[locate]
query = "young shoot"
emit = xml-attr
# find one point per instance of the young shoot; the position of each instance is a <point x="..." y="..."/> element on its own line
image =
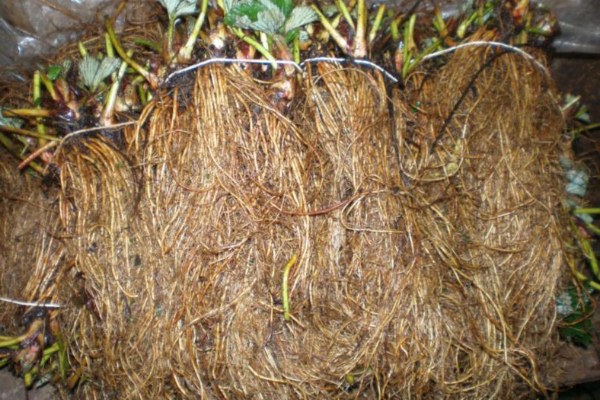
<point x="176" y="9"/>
<point x="275" y="18"/>
<point x="185" y="53"/>
<point x="93" y="72"/>
<point x="358" y="49"/>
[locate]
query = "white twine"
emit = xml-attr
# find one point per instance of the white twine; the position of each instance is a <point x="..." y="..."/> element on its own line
<point x="300" y="67"/>
<point x="30" y="304"/>
<point x="483" y="43"/>
<point x="337" y="60"/>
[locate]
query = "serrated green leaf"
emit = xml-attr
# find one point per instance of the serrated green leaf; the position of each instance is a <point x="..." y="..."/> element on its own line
<point x="178" y="8"/>
<point x="285" y="6"/>
<point x="299" y="17"/>
<point x="92" y="72"/>
<point x="269" y="21"/>
<point x="247" y="9"/>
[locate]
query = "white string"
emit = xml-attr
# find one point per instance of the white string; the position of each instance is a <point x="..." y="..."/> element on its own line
<point x="230" y="61"/>
<point x="367" y="63"/>
<point x="30" y="304"/>
<point x="483" y="43"/>
<point x="300" y="67"/>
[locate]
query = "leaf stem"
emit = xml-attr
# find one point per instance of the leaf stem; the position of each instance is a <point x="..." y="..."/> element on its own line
<point x="110" y="51"/>
<point x="107" y="113"/>
<point x="296" y="50"/>
<point x="37" y="101"/>
<point x="376" y="23"/>
<point x="27" y="112"/>
<point x="252" y="42"/>
<point x="48" y="85"/>
<point x="25" y="132"/>
<point x="360" y="36"/>
<point x="185" y="53"/>
<point x="170" y="28"/>
<point x="586" y="211"/>
<point x="148" y="43"/>
<point x="335" y="35"/>
<point x="345" y="12"/>
<point x="409" y="45"/>
<point x="149" y="76"/>
<point x="585" y="128"/>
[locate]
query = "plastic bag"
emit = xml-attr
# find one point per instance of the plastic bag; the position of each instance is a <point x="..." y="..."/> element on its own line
<point x="579" y="22"/>
<point x="29" y="28"/>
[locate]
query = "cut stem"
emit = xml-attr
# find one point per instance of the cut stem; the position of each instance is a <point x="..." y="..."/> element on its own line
<point x="7" y="342"/>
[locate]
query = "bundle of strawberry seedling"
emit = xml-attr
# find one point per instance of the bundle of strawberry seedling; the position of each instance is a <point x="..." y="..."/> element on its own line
<point x="296" y="201"/>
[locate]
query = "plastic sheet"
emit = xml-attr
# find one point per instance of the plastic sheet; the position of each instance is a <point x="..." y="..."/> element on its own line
<point x="579" y="22"/>
<point x="29" y="28"/>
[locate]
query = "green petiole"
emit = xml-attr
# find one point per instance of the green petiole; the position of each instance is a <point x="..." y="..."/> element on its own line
<point x="185" y="53"/>
<point x="149" y="76"/>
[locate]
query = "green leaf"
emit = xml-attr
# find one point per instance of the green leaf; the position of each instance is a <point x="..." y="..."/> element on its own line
<point x="578" y="334"/>
<point x="291" y="35"/>
<point x="268" y="16"/>
<point x="299" y="17"/>
<point x="242" y="14"/>
<point x="92" y="72"/>
<point x="178" y="8"/>
<point x="285" y="6"/>
<point x="572" y="309"/>
<point x="577" y="182"/>
<point x="583" y="115"/>
<point x="269" y="21"/>
<point x="54" y="72"/>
